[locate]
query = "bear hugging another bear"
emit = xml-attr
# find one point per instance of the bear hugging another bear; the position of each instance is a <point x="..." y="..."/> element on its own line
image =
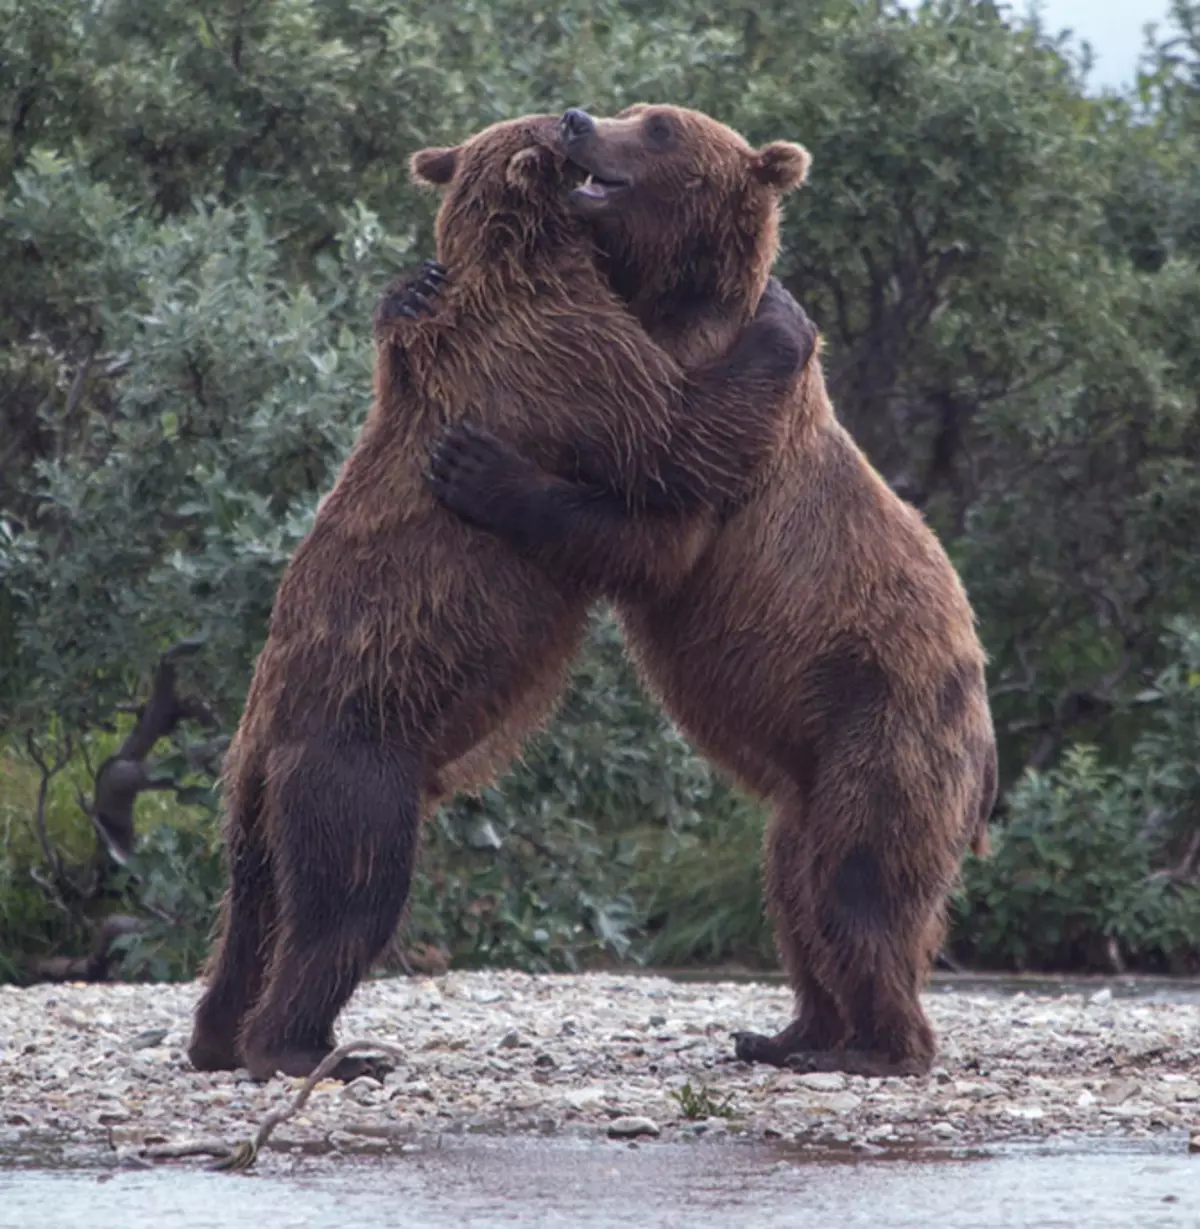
<point x="411" y="654"/>
<point x="660" y="435"/>
<point x="821" y="649"/>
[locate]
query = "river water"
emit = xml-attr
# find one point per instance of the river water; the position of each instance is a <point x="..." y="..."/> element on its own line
<point x="484" y="1184"/>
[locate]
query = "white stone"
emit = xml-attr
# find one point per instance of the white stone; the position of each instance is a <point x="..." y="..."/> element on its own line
<point x="839" y="1103"/>
<point x="630" y="1126"/>
<point x="822" y="1081"/>
<point x="580" y="1098"/>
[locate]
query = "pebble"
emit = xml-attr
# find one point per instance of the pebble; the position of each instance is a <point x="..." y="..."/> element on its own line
<point x="588" y="1055"/>
<point x="150" y="1038"/>
<point x="629" y="1126"/>
<point x="364" y="1090"/>
<point x="822" y="1081"/>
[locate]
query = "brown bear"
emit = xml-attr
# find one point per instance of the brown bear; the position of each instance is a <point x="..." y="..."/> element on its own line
<point x="409" y="655"/>
<point x="822" y="649"/>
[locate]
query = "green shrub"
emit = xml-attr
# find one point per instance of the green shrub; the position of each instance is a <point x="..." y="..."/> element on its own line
<point x="169" y="883"/>
<point x="538" y="872"/>
<point x="702" y="890"/>
<point x="1072" y="883"/>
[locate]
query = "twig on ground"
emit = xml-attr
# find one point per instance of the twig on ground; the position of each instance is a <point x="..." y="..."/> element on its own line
<point x="242" y="1155"/>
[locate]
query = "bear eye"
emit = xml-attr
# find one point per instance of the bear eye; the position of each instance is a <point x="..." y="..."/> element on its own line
<point x="659" y="129"/>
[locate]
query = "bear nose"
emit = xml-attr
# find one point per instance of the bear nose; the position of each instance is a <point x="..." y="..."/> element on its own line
<point x="576" y="124"/>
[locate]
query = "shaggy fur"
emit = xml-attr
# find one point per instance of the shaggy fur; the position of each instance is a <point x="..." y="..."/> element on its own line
<point x="410" y="655"/>
<point x="822" y="648"/>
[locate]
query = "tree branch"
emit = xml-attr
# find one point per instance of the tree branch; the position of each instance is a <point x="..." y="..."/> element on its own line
<point x="48" y="771"/>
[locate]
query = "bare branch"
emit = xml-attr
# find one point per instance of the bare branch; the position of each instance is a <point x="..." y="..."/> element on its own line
<point x="127" y="773"/>
<point x="48" y="771"/>
<point x="95" y="965"/>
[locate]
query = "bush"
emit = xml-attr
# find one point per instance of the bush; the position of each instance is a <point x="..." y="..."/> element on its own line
<point x="538" y="873"/>
<point x="1072" y="881"/>
<point x="55" y="907"/>
<point x="703" y="891"/>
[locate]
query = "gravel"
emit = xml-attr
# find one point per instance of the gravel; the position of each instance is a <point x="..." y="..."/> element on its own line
<point x="595" y="1055"/>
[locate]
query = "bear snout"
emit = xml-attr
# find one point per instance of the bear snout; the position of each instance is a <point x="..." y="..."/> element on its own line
<point x="576" y="124"/>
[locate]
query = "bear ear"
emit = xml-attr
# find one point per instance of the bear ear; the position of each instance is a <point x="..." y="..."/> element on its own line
<point x="434" y="167"/>
<point x="524" y="166"/>
<point x="782" y="165"/>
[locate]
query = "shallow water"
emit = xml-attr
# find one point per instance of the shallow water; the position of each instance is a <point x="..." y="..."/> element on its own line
<point x="482" y="1184"/>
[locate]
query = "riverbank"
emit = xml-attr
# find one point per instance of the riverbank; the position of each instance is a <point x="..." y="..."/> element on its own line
<point x="85" y="1067"/>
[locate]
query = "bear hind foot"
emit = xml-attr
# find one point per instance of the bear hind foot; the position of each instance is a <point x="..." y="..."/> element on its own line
<point x="302" y="1062"/>
<point x="871" y="1063"/>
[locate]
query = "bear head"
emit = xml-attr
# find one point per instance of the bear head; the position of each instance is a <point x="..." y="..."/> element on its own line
<point x="505" y="196"/>
<point x="681" y="206"/>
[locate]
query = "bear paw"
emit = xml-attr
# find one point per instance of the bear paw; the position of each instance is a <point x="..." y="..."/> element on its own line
<point x="469" y="471"/>
<point x="413" y="297"/>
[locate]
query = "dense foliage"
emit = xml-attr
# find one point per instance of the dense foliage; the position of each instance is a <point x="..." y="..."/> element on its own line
<point x="198" y="206"/>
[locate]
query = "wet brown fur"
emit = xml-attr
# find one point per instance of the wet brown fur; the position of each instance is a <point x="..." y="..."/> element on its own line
<point x="822" y="649"/>
<point x="410" y="655"/>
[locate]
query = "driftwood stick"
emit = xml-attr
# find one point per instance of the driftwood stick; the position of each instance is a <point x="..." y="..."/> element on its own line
<point x="242" y="1155"/>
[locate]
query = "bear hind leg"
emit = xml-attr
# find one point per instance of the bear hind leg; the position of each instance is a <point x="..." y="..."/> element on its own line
<point x="875" y="940"/>
<point x="820" y="1024"/>
<point x="347" y="819"/>
<point x="247" y="920"/>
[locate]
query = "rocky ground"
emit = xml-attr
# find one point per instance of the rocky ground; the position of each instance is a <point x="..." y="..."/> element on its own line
<point x="605" y="1055"/>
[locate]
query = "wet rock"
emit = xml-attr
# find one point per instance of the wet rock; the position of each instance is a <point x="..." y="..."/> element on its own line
<point x="630" y="1126"/>
<point x="1116" y="1092"/>
<point x="1102" y="998"/>
<point x="822" y="1081"/>
<point x="975" y="1090"/>
<point x="1186" y="1090"/>
<point x="364" y="1091"/>
<point x="838" y="1103"/>
<point x="1030" y="1113"/>
<point x="149" y="1038"/>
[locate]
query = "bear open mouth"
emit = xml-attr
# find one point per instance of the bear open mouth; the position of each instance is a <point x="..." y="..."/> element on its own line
<point x="597" y="188"/>
<point x="595" y="192"/>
